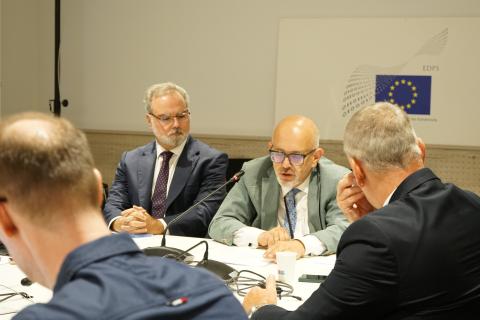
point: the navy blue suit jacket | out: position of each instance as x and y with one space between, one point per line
200 169
417 258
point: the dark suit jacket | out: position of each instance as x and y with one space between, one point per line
417 258
200 170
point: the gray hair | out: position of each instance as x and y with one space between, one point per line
162 89
382 137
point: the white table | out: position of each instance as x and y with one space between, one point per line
238 258
10 277
250 259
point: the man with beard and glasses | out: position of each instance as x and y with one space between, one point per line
285 201
156 182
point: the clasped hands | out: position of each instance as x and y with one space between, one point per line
137 220
278 239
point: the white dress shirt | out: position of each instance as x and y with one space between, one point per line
177 151
248 236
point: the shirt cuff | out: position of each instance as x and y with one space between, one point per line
110 224
164 225
247 237
313 246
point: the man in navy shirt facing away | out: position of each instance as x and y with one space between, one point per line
51 223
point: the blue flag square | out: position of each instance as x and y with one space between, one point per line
410 93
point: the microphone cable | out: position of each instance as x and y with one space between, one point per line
11 294
241 284
179 256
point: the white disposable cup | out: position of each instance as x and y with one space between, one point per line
286 266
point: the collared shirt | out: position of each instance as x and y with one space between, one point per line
110 278
248 236
177 151
387 201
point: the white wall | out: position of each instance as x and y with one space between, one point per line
27 55
223 52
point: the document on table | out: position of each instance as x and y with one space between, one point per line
241 256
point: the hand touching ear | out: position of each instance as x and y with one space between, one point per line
351 200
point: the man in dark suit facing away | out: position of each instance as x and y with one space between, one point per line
156 182
413 250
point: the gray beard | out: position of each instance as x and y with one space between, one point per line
288 185
172 141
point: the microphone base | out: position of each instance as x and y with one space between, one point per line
222 270
169 252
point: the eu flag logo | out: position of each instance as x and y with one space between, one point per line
410 93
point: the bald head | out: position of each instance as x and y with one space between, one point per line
45 166
295 135
302 129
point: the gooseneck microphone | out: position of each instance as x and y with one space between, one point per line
170 252
222 270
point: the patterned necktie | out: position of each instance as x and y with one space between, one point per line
291 210
159 198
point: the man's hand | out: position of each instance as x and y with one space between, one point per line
351 200
258 297
132 221
271 237
137 220
289 245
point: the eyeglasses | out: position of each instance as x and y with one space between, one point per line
168 119
296 159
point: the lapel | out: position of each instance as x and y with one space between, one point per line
185 165
271 194
146 168
313 201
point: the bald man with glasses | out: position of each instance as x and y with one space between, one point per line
156 182
285 201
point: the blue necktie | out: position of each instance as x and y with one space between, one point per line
159 197
291 210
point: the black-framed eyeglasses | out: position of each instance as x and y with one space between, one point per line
296 159
168 119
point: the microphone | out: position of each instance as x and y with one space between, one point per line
184 253
170 252
222 270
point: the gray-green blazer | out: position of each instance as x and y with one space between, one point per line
254 201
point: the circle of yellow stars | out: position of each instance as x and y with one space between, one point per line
413 89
